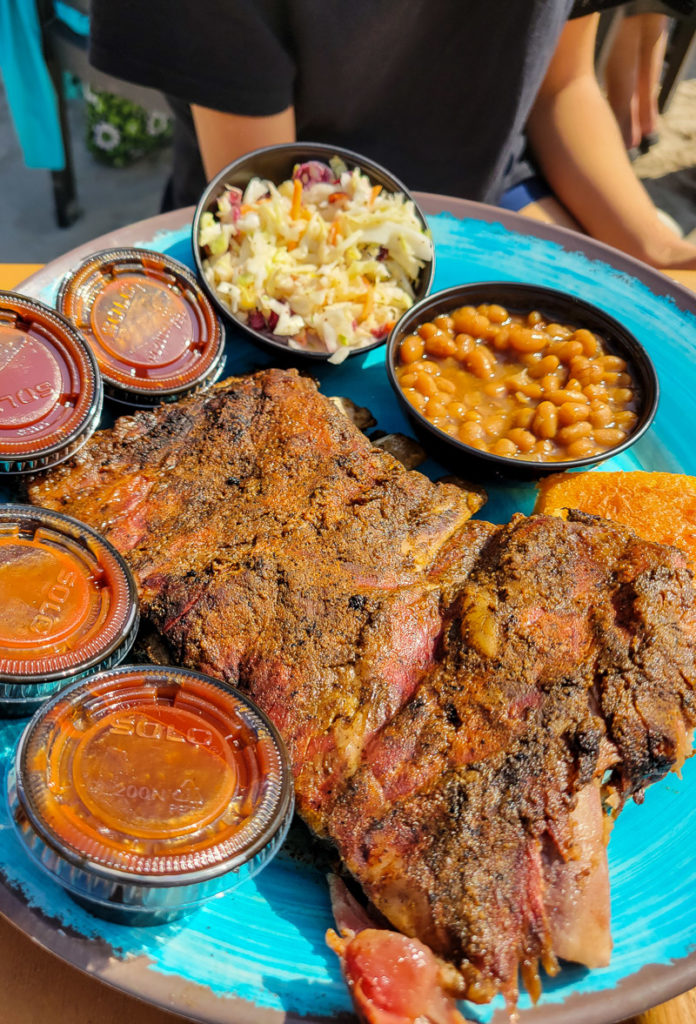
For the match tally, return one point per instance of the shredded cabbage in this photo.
(324, 261)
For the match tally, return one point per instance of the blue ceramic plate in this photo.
(258, 954)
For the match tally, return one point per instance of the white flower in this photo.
(106, 136)
(157, 123)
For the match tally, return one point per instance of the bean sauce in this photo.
(518, 386)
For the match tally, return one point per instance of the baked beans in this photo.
(519, 386)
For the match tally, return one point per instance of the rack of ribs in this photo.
(466, 706)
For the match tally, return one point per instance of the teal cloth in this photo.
(28, 85)
(77, 21)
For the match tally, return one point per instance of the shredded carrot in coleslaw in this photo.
(325, 260)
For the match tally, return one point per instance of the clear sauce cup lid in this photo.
(68, 602)
(153, 331)
(159, 773)
(50, 386)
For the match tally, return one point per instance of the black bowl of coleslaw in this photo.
(320, 263)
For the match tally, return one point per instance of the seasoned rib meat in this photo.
(568, 651)
(458, 699)
(271, 541)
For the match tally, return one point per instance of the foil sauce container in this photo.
(68, 605)
(50, 386)
(153, 331)
(146, 791)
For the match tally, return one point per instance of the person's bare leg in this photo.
(653, 43)
(621, 79)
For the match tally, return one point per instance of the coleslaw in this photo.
(325, 261)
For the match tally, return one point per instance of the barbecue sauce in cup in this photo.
(50, 387)
(145, 791)
(152, 329)
(68, 605)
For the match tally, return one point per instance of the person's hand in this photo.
(674, 254)
(666, 251)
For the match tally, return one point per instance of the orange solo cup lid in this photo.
(50, 386)
(153, 331)
(157, 772)
(68, 602)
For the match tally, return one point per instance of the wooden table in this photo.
(38, 987)
(11, 274)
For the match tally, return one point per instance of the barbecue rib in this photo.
(458, 698)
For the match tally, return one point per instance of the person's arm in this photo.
(224, 137)
(579, 148)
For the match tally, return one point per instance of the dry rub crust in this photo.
(446, 687)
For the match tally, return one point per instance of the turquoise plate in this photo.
(258, 954)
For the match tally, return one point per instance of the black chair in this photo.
(66, 50)
(64, 190)
(681, 46)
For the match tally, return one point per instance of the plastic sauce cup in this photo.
(146, 791)
(50, 386)
(154, 333)
(68, 605)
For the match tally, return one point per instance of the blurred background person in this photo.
(441, 92)
(632, 73)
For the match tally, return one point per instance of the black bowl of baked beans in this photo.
(515, 380)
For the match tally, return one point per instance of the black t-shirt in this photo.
(436, 90)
